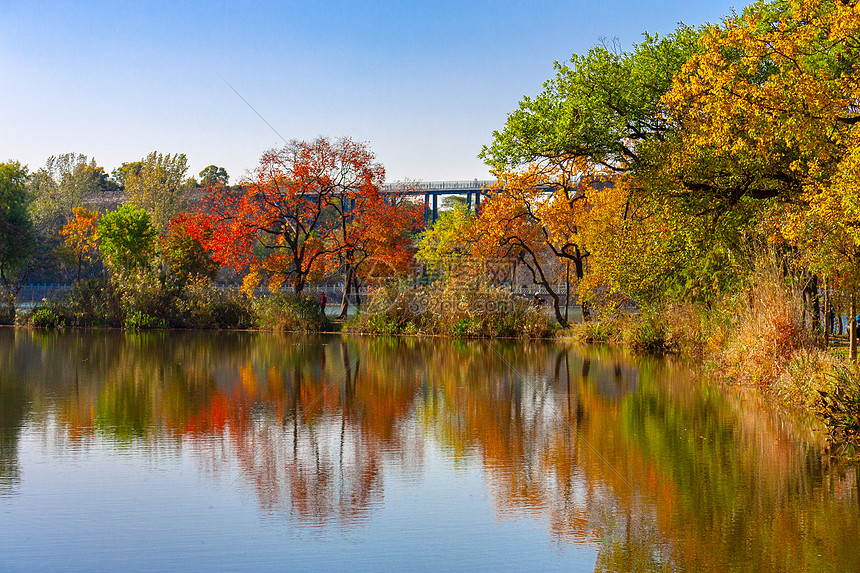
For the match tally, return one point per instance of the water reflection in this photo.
(635, 456)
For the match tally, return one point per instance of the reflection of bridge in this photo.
(434, 189)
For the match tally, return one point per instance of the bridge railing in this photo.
(438, 185)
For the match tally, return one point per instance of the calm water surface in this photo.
(229, 452)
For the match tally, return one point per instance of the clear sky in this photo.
(423, 83)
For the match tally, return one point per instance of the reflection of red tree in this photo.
(309, 447)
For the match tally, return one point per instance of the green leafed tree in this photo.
(214, 175)
(17, 241)
(126, 171)
(160, 187)
(448, 236)
(597, 108)
(66, 182)
(127, 239)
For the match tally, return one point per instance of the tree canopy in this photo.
(16, 233)
(159, 186)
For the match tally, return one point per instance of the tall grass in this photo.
(150, 304)
(448, 311)
(291, 313)
(766, 329)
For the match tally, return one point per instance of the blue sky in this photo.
(423, 83)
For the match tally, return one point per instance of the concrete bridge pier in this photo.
(430, 216)
(477, 199)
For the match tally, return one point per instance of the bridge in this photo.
(432, 190)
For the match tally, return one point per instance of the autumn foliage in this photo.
(311, 208)
(79, 239)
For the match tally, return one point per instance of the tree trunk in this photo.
(828, 323)
(7, 310)
(839, 317)
(815, 311)
(356, 284)
(299, 284)
(852, 344)
(344, 301)
(7, 306)
(579, 267)
(567, 293)
(556, 306)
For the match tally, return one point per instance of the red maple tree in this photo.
(310, 208)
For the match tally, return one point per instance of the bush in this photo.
(767, 327)
(93, 302)
(649, 334)
(291, 313)
(202, 306)
(88, 303)
(142, 321)
(144, 292)
(606, 329)
(840, 409)
(46, 317)
(807, 373)
(478, 313)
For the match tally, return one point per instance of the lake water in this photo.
(264, 452)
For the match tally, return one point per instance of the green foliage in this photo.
(649, 334)
(126, 172)
(17, 239)
(600, 330)
(291, 313)
(840, 409)
(142, 321)
(16, 227)
(201, 305)
(483, 313)
(597, 107)
(214, 175)
(46, 317)
(66, 182)
(145, 303)
(160, 186)
(127, 239)
(92, 302)
(447, 237)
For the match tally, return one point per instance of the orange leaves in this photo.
(536, 208)
(79, 238)
(536, 215)
(183, 247)
(308, 204)
(80, 233)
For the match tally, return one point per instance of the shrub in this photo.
(648, 334)
(291, 313)
(460, 313)
(88, 303)
(93, 302)
(767, 328)
(807, 373)
(201, 305)
(46, 317)
(606, 329)
(142, 321)
(840, 409)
